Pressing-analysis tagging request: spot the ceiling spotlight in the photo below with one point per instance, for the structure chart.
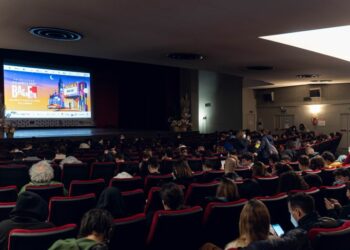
(185, 56)
(55, 34)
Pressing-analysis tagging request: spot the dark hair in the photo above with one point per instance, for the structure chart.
(227, 189)
(153, 162)
(317, 162)
(172, 196)
(182, 169)
(328, 156)
(248, 157)
(313, 180)
(285, 157)
(274, 158)
(304, 160)
(282, 168)
(303, 201)
(342, 172)
(259, 169)
(96, 220)
(291, 181)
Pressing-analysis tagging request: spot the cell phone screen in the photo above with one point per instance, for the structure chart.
(278, 229)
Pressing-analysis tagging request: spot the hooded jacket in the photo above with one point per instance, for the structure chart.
(111, 199)
(30, 212)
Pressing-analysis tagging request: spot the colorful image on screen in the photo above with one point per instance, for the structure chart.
(46, 93)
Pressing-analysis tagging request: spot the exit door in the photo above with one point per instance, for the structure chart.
(345, 130)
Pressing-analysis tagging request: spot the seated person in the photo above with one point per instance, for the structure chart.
(260, 170)
(227, 191)
(291, 181)
(111, 200)
(301, 207)
(254, 224)
(313, 180)
(69, 160)
(172, 196)
(317, 163)
(182, 173)
(342, 176)
(247, 160)
(329, 159)
(41, 174)
(231, 162)
(336, 210)
(281, 168)
(153, 166)
(31, 212)
(273, 160)
(94, 233)
(304, 163)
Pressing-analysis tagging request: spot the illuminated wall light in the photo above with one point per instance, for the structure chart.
(315, 109)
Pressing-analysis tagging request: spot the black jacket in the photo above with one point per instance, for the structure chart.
(30, 213)
(313, 220)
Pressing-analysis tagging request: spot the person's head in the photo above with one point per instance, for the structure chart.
(291, 181)
(111, 200)
(183, 151)
(61, 149)
(247, 159)
(96, 223)
(342, 176)
(304, 162)
(172, 196)
(254, 222)
(48, 154)
(259, 169)
(273, 159)
(301, 127)
(41, 172)
(281, 168)
(316, 163)
(313, 180)
(309, 150)
(285, 159)
(153, 165)
(299, 205)
(227, 189)
(328, 157)
(30, 205)
(182, 169)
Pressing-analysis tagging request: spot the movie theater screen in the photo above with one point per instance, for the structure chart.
(39, 93)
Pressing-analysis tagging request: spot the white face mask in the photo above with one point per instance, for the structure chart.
(294, 221)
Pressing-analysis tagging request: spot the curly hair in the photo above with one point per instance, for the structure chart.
(41, 172)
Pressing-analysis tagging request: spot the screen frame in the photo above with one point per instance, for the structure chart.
(50, 66)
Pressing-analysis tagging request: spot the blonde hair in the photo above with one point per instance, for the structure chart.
(254, 222)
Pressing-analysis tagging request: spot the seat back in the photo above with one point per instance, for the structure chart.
(327, 175)
(221, 220)
(213, 175)
(104, 170)
(129, 233)
(14, 175)
(134, 201)
(269, 185)
(127, 184)
(245, 173)
(65, 210)
(39, 239)
(166, 166)
(48, 191)
(156, 181)
(5, 209)
(197, 192)
(79, 171)
(79, 187)
(331, 238)
(8, 193)
(175, 229)
(278, 208)
(195, 164)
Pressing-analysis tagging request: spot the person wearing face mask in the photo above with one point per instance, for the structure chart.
(301, 207)
(342, 176)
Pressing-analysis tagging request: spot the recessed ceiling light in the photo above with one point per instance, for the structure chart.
(185, 56)
(55, 34)
(329, 41)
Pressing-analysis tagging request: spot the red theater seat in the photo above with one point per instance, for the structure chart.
(330, 238)
(245, 173)
(134, 201)
(8, 193)
(269, 185)
(127, 184)
(79, 187)
(64, 210)
(173, 230)
(5, 209)
(221, 220)
(335, 192)
(47, 191)
(39, 239)
(129, 233)
(197, 192)
(74, 172)
(14, 175)
(156, 181)
(105, 170)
